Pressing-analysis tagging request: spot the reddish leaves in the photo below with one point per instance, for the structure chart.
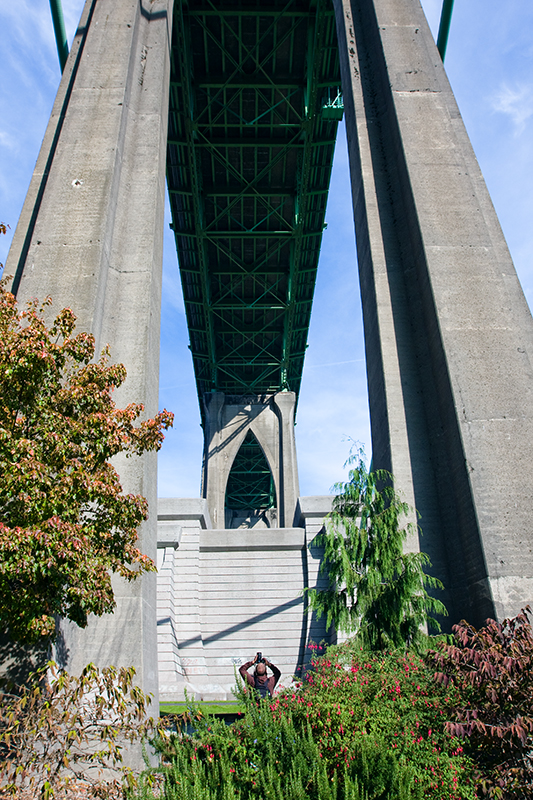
(493, 670)
(65, 524)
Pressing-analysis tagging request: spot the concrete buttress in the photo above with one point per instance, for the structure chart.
(448, 332)
(91, 236)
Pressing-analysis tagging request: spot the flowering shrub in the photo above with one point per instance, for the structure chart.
(360, 725)
(390, 701)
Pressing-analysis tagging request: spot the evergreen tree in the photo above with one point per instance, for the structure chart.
(375, 589)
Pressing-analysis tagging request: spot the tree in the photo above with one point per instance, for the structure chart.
(492, 669)
(375, 589)
(63, 736)
(65, 524)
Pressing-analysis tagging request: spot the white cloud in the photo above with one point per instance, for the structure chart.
(516, 102)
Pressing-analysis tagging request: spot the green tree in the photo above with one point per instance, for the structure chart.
(65, 524)
(375, 589)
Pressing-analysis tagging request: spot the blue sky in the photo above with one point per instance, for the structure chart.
(490, 66)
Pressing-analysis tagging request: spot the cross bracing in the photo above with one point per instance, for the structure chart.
(250, 482)
(254, 109)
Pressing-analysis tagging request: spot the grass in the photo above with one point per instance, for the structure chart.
(228, 707)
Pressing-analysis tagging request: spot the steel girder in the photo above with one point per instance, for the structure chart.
(254, 108)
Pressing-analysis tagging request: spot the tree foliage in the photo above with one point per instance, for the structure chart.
(65, 523)
(492, 669)
(58, 734)
(375, 589)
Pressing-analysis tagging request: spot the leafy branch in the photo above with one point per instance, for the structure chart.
(375, 589)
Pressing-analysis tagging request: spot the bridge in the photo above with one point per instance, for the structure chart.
(238, 103)
(255, 101)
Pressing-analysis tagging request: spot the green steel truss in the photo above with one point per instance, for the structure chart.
(250, 483)
(254, 109)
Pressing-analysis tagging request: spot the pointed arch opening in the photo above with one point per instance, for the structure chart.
(250, 491)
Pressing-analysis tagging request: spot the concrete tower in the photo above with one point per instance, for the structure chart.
(91, 235)
(447, 329)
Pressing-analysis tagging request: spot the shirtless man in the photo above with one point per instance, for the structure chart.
(259, 680)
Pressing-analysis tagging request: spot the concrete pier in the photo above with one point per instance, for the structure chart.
(448, 332)
(224, 595)
(91, 236)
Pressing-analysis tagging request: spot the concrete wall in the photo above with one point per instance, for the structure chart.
(91, 235)
(224, 595)
(449, 337)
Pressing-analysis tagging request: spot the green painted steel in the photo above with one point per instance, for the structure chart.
(254, 108)
(250, 483)
(60, 33)
(444, 27)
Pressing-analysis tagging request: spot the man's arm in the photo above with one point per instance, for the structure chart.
(243, 672)
(272, 681)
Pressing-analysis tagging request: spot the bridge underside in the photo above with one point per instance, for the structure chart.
(254, 106)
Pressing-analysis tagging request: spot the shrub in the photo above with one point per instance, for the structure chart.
(360, 725)
(491, 670)
(64, 737)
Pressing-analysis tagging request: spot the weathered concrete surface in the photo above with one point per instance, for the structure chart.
(223, 595)
(448, 333)
(91, 236)
(271, 420)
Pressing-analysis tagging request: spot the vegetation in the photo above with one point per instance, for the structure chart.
(65, 524)
(361, 725)
(57, 735)
(491, 670)
(221, 707)
(375, 589)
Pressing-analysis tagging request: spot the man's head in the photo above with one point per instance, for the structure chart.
(260, 669)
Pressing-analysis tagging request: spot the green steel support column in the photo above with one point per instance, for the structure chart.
(444, 27)
(59, 30)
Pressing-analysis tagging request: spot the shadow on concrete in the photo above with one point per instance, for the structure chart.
(19, 661)
(246, 624)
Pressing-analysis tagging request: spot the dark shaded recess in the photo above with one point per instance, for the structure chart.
(250, 483)
(441, 485)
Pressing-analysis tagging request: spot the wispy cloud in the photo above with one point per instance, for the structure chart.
(516, 102)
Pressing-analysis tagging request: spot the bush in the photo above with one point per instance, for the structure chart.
(491, 670)
(359, 726)
(63, 737)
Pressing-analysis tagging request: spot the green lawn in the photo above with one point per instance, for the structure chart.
(228, 707)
